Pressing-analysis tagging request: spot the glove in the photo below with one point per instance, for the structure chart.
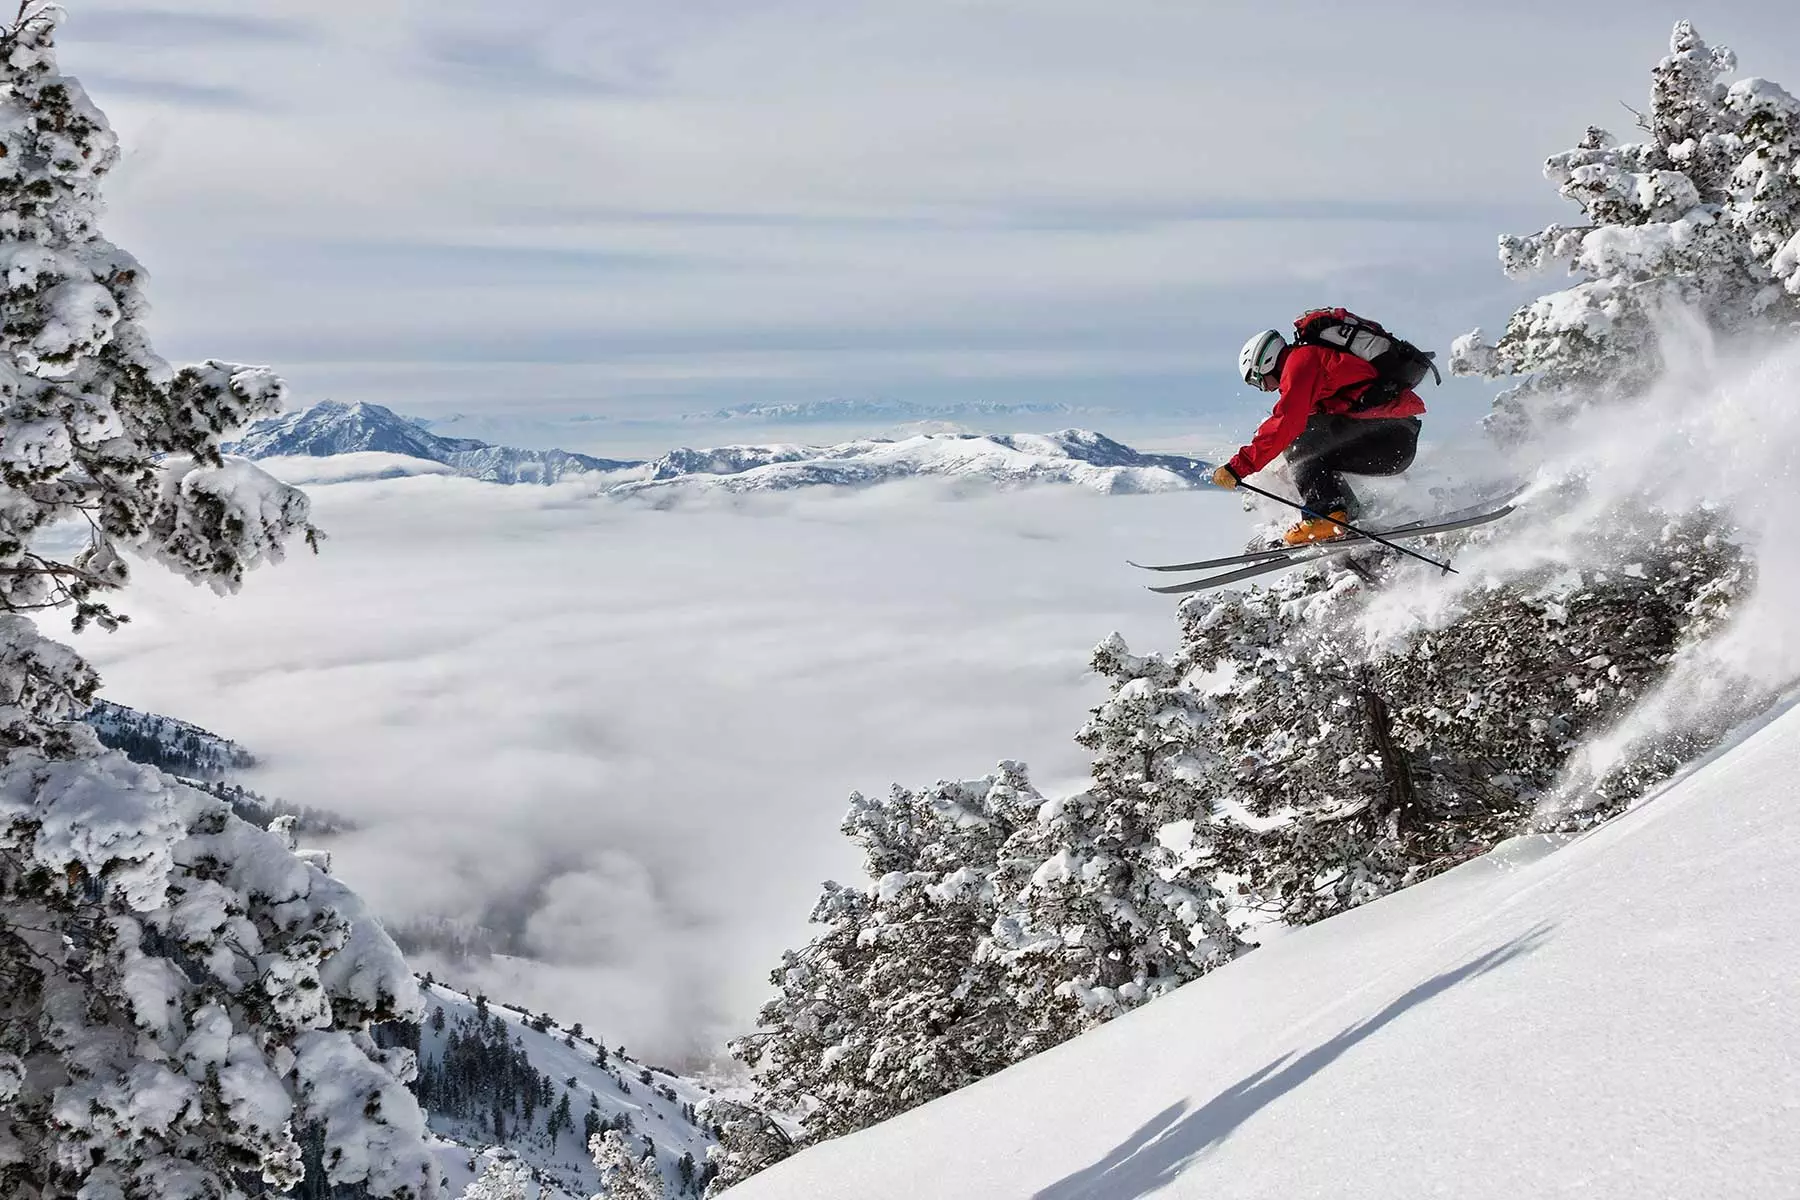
(1223, 477)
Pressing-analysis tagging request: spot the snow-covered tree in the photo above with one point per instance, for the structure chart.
(1345, 767)
(627, 1171)
(1105, 897)
(94, 427)
(1700, 217)
(502, 1178)
(940, 1020)
(184, 1004)
(811, 1049)
(182, 995)
(894, 1002)
(750, 1140)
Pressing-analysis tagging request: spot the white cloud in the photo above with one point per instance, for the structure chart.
(624, 737)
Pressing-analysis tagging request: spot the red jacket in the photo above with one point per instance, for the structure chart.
(1315, 379)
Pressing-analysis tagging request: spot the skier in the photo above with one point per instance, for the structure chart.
(1327, 423)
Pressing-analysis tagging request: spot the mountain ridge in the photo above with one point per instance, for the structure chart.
(1070, 456)
(846, 409)
(330, 428)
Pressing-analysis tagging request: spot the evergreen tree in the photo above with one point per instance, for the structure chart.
(1098, 914)
(749, 1141)
(626, 1173)
(1702, 216)
(560, 1117)
(502, 1178)
(97, 429)
(894, 1002)
(1343, 769)
(184, 1004)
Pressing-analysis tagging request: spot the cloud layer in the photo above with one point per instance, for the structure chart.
(623, 738)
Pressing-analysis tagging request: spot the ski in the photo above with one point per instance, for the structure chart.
(1263, 565)
(1250, 556)
(1410, 529)
(1266, 566)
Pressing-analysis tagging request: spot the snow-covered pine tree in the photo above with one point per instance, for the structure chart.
(98, 429)
(812, 1046)
(1345, 767)
(1702, 214)
(894, 1002)
(941, 1021)
(1101, 906)
(502, 1177)
(183, 1002)
(627, 1171)
(749, 1140)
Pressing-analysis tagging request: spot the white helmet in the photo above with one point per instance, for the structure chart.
(1259, 356)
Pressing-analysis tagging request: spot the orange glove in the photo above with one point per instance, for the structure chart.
(1224, 478)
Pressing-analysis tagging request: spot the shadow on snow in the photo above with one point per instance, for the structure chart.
(1164, 1147)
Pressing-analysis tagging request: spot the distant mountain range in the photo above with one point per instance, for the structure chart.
(331, 428)
(821, 411)
(1074, 456)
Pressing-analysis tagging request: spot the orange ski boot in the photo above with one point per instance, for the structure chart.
(1317, 529)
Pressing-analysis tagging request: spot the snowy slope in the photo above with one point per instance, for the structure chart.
(166, 743)
(1619, 1017)
(657, 1108)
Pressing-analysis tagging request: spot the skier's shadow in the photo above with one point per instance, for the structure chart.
(1163, 1147)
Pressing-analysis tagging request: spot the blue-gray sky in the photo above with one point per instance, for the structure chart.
(559, 206)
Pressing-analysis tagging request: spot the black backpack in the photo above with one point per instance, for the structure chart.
(1399, 365)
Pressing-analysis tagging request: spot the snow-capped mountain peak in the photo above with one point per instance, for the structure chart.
(329, 428)
(332, 428)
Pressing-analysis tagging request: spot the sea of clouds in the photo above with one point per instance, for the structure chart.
(622, 737)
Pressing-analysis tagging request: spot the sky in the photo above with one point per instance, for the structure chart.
(554, 208)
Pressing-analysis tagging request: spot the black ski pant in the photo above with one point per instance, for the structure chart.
(1332, 446)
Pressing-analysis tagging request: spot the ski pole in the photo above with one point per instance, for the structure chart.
(1349, 528)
